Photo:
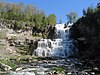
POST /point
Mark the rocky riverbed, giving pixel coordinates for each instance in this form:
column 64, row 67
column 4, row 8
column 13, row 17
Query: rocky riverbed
column 70, row 66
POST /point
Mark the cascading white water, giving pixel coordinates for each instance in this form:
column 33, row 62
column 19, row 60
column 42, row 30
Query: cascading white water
column 60, row 47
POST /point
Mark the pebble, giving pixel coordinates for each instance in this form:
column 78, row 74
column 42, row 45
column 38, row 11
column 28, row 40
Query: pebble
column 86, row 73
column 17, row 69
column 93, row 73
column 69, row 73
column 96, row 69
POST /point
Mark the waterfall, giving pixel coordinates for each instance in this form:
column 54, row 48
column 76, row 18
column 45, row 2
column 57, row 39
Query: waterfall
column 62, row 46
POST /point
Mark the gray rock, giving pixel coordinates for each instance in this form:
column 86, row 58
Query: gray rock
column 69, row 73
column 5, row 67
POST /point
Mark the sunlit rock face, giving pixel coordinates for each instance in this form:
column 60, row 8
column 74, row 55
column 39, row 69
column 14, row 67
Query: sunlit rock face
column 62, row 46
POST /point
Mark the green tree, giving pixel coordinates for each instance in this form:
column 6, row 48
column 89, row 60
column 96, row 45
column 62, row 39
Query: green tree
column 26, row 16
column 72, row 17
column 90, row 11
column 20, row 11
column 84, row 12
column 38, row 19
column 98, row 7
column 33, row 12
column 20, row 7
column 14, row 11
column 2, row 9
column 45, row 22
column 27, row 12
column 51, row 19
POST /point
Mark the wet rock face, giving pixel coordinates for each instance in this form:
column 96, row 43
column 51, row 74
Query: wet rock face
column 88, row 27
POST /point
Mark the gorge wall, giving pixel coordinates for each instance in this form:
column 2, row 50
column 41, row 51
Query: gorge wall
column 87, row 32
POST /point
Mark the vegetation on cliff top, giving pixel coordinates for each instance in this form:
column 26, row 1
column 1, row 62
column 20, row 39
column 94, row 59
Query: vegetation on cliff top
column 25, row 17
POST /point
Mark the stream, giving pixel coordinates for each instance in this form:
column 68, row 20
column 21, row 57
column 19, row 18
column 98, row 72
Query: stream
column 62, row 47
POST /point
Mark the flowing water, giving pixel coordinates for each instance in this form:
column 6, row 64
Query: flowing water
column 45, row 68
column 61, row 47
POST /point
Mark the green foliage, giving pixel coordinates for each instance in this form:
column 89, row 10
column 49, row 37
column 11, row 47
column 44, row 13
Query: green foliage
column 26, row 17
column 38, row 19
column 51, row 19
column 72, row 17
column 84, row 12
column 89, row 11
column 9, row 63
column 45, row 22
column 58, row 69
